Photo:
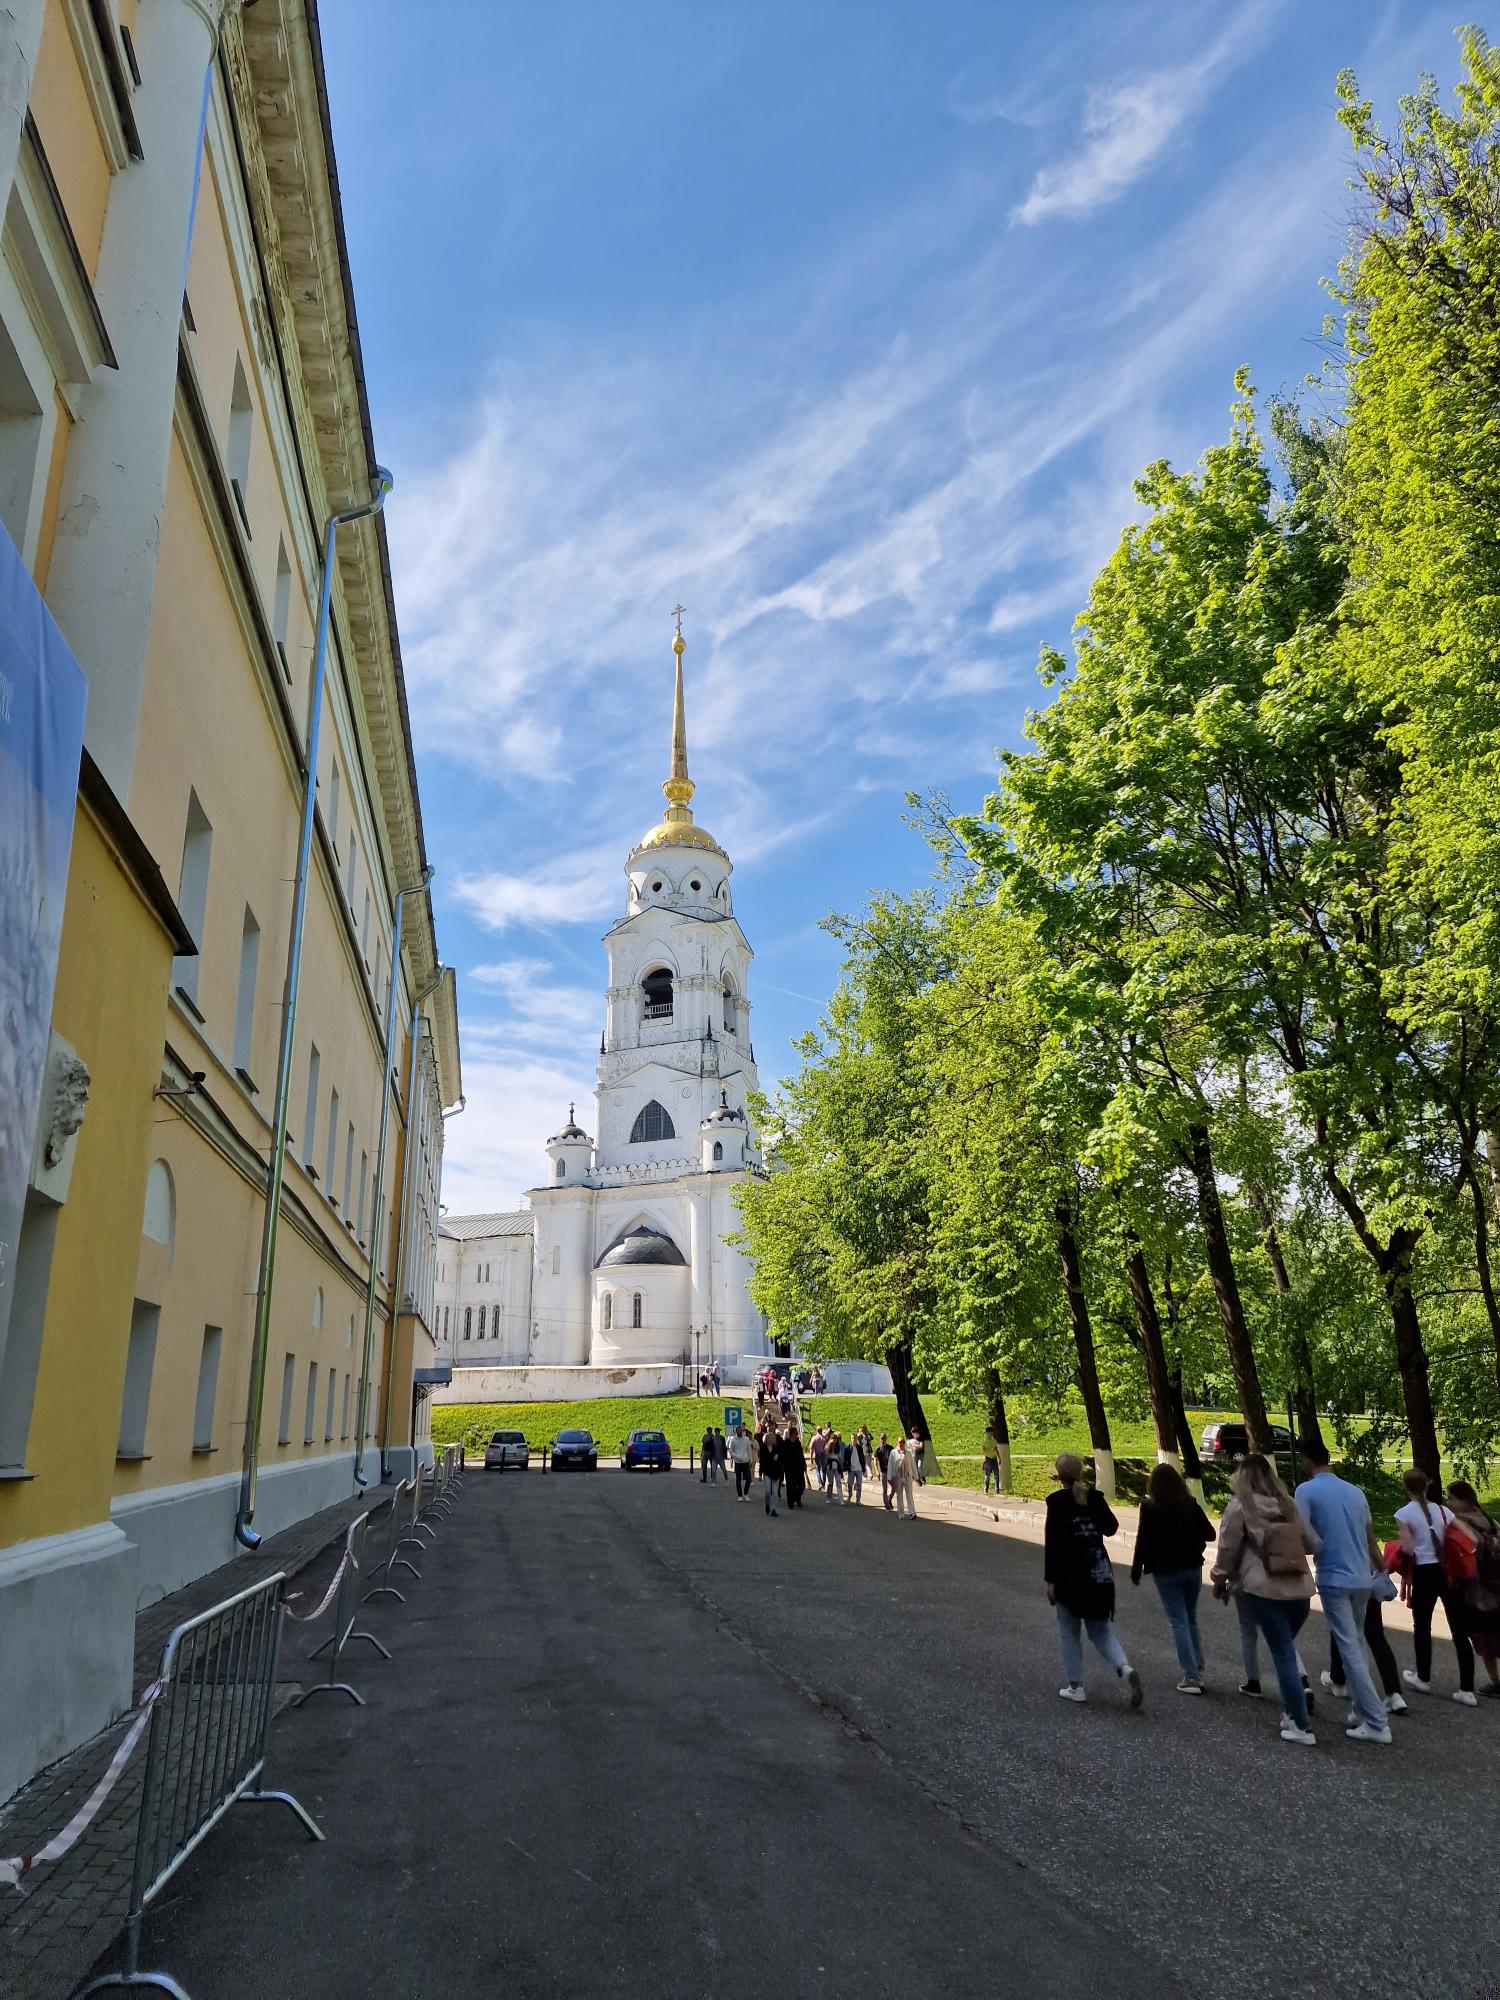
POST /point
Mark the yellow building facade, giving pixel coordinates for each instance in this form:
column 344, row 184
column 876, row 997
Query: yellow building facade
column 182, row 408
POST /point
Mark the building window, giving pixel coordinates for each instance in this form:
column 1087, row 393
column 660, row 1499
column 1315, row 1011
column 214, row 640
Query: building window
column 310, row 1111
column 556, row 1259
column 718, row 1149
column 349, row 1334
column 364, row 1175
column 468, row 1322
column 333, row 1383
column 244, row 999
column 348, row 1171
column 192, row 894
column 635, row 1310
column 562, row 1169
column 731, row 1012
column 609, row 1311
column 241, row 418
column 208, row 1385
column 445, row 1322
column 335, row 788
column 331, row 1154
column 652, row 1122
column 364, row 932
column 140, row 1358
column 657, row 987
column 281, row 608
column 317, row 1311
column 159, row 1219
column 344, row 1414
column 481, row 1322
column 311, row 1412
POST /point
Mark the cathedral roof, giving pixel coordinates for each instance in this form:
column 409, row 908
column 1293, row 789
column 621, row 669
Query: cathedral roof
column 508, row 1222
column 675, row 827
column 641, row 1246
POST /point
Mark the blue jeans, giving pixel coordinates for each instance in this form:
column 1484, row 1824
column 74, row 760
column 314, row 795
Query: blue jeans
column 1281, row 1619
column 1345, row 1612
column 1178, row 1590
column 991, row 1471
column 1101, row 1631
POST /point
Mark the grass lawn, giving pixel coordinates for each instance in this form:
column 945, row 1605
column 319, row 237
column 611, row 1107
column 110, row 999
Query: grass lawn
column 957, row 1438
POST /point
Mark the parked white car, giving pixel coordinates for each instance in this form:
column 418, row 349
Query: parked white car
column 507, row 1450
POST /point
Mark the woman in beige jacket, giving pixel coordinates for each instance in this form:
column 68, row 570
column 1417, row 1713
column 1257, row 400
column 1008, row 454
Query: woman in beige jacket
column 1263, row 1549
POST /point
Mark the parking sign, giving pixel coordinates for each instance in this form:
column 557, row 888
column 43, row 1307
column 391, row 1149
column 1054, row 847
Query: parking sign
column 733, row 1415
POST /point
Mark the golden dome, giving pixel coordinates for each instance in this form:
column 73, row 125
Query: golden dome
column 679, row 833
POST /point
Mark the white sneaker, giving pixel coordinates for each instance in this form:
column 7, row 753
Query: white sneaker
column 1395, row 1704
column 1188, row 1685
column 1290, row 1733
column 1466, row 1698
column 1363, row 1733
column 1072, row 1692
column 1414, row 1680
column 1333, row 1686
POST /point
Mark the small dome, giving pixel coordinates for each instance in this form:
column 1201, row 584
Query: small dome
column 572, row 1131
column 725, row 1113
column 641, row 1246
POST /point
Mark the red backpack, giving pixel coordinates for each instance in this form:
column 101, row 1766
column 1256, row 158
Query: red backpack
column 1460, row 1557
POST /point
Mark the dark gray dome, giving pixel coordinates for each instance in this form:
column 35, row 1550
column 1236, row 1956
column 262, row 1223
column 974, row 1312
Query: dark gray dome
column 724, row 1113
column 642, row 1246
column 572, row 1130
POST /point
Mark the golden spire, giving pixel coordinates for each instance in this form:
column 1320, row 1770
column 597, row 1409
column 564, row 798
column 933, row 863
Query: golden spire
column 679, row 788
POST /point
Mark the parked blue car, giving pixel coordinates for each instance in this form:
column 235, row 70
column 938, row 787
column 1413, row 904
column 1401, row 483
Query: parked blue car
column 648, row 1448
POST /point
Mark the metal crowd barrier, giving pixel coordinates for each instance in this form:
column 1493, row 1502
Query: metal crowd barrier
column 205, row 1750
column 395, row 1533
column 345, row 1617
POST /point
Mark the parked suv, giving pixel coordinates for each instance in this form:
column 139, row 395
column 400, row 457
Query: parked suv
column 1228, row 1443
column 506, row 1449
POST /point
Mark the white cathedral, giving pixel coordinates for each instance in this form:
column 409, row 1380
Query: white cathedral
column 621, row 1262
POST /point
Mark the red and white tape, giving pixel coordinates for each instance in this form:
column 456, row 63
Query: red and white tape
column 307, row 1617
column 13, row 1870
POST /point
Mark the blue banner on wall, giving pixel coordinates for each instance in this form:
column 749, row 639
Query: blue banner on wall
column 42, row 696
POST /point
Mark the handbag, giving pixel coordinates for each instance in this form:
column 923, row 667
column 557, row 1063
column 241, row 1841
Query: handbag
column 1383, row 1587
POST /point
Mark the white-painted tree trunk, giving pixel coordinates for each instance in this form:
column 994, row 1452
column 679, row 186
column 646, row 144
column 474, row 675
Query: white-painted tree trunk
column 1005, row 1482
column 1104, row 1473
column 1169, row 1458
column 1195, row 1487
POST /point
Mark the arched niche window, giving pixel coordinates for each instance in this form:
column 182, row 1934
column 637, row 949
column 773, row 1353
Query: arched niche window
column 657, row 987
column 159, row 1220
column 317, row 1311
column 718, row 1149
column 562, row 1169
column 652, row 1122
column 635, row 1310
column 608, row 1311
column 468, row 1322
column 731, row 1010
column 556, row 1259
column 481, row 1322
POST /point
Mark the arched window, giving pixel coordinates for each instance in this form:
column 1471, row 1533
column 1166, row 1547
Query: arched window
column 468, row 1322
column 652, row 1122
column 317, row 1311
column 635, row 1310
column 718, row 1149
column 562, row 1168
column 657, row 987
column 731, row 1012
column 609, row 1313
column 556, row 1259
column 481, row 1322
column 159, row 1220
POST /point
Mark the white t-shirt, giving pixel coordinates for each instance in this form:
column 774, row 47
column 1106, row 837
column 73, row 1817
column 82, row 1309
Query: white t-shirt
column 1426, row 1529
column 739, row 1448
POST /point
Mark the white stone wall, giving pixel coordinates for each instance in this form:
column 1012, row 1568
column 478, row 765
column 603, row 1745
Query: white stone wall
column 556, row 1385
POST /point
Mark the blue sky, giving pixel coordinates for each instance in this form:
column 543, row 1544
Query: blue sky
column 849, row 324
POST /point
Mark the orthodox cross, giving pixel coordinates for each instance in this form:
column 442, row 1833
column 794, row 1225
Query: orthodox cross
column 677, row 611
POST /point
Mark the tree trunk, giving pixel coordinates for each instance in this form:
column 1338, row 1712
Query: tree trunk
column 1083, row 1342
column 908, row 1402
column 1411, row 1358
column 1482, row 1256
column 1227, row 1291
column 1148, row 1326
column 1304, row 1388
column 1187, row 1444
column 999, row 1422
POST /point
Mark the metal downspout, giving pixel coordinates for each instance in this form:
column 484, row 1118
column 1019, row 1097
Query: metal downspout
column 375, row 1206
column 276, row 1167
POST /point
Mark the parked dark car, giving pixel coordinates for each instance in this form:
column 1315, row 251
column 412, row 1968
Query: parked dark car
column 575, row 1449
column 648, row 1448
column 1228, row 1443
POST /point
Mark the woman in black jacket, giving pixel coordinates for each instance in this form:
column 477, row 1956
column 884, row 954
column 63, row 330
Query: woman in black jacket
column 1169, row 1544
column 1080, row 1581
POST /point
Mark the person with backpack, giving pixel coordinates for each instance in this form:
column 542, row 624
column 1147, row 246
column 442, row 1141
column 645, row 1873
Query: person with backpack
column 1262, row 1555
column 1481, row 1591
column 854, row 1470
column 1080, row 1579
column 1170, row 1540
column 1425, row 1546
column 1348, row 1560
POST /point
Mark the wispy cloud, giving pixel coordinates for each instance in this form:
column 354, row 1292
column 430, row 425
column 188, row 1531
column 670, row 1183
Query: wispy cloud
column 1128, row 126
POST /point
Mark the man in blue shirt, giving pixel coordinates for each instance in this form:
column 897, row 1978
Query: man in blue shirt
column 1347, row 1559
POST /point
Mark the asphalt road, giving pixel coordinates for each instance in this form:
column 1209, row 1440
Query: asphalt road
column 638, row 1738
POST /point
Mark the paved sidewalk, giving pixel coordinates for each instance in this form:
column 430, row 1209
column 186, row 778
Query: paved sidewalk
column 69, row 1912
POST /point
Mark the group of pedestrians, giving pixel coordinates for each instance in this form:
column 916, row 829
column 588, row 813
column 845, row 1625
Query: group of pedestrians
column 775, row 1453
column 1272, row 1549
